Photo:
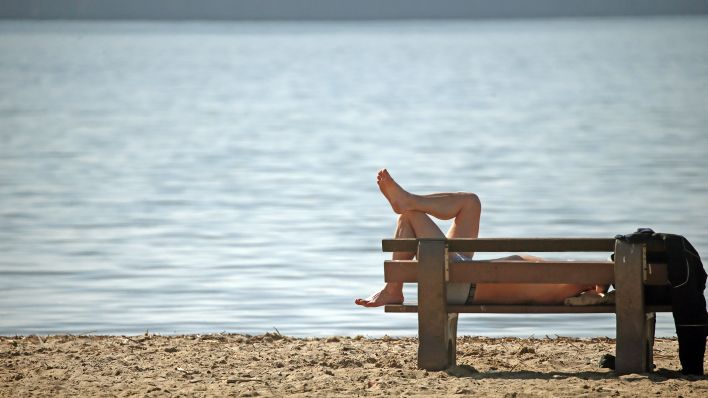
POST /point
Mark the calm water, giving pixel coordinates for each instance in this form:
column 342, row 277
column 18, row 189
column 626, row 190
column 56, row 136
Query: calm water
column 198, row 177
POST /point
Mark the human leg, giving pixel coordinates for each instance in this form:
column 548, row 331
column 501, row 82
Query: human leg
column 465, row 208
column 411, row 224
column 414, row 222
column 443, row 206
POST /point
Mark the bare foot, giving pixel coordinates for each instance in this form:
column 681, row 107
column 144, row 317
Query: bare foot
column 380, row 298
column 398, row 197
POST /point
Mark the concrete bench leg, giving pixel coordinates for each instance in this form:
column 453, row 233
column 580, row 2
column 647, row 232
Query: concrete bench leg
column 635, row 328
column 437, row 330
column 452, row 333
column 438, row 350
column 650, row 325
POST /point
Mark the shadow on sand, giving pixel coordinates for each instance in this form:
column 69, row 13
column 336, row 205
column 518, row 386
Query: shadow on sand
column 659, row 375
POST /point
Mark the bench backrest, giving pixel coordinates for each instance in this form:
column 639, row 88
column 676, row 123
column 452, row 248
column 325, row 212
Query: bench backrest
column 554, row 271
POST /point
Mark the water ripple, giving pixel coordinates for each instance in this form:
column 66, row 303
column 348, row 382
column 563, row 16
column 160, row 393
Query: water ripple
column 224, row 181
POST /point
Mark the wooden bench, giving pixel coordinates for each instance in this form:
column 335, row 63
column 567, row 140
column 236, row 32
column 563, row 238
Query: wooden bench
column 437, row 320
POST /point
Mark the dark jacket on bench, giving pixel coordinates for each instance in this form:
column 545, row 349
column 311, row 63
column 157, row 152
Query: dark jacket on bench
column 688, row 281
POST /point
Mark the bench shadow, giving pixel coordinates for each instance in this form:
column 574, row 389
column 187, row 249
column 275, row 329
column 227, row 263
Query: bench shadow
column 529, row 374
column 659, row 375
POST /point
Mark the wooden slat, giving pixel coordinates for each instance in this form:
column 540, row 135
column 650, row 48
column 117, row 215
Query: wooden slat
column 401, row 271
column 581, row 272
column 400, row 245
column 509, row 245
column 523, row 309
column 586, row 272
column 517, row 244
column 532, row 245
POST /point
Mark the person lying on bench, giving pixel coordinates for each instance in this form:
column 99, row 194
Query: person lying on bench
column 464, row 208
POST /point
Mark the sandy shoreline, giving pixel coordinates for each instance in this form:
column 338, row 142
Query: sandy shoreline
column 275, row 365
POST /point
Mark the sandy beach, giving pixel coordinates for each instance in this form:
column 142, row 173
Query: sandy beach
column 276, row 365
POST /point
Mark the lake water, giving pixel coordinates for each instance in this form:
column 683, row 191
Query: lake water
column 207, row 177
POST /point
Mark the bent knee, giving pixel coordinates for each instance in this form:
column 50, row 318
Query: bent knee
column 472, row 200
column 409, row 215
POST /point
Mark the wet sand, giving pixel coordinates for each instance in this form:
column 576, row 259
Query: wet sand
column 276, row 365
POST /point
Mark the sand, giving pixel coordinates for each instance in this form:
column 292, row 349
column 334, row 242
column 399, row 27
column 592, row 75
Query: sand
column 275, row 365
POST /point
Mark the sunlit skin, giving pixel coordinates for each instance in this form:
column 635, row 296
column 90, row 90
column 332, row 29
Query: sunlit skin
column 464, row 208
